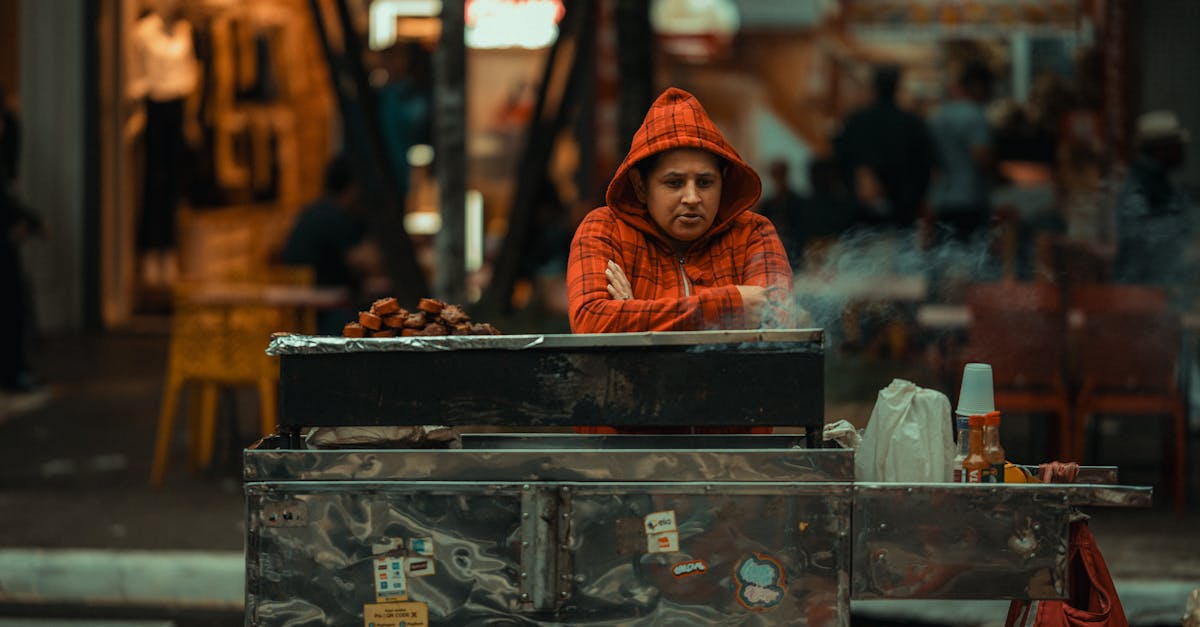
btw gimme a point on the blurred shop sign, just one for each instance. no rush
(489, 23)
(513, 23)
(963, 17)
(412, 19)
(695, 30)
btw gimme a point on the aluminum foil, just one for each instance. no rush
(287, 344)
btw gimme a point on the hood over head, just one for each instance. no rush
(677, 120)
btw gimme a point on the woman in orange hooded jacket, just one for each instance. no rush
(677, 247)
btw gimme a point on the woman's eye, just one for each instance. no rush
(704, 183)
(674, 183)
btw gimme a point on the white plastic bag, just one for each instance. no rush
(908, 437)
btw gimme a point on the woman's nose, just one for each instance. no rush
(690, 193)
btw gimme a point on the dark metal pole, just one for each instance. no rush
(531, 176)
(450, 150)
(635, 66)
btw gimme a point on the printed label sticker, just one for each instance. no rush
(688, 568)
(661, 522)
(396, 615)
(663, 542)
(391, 584)
(419, 566)
(761, 582)
(421, 546)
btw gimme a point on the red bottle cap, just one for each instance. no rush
(977, 421)
(992, 419)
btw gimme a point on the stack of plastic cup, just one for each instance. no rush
(976, 396)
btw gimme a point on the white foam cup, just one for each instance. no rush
(975, 397)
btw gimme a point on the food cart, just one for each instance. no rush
(537, 528)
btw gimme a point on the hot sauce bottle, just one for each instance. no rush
(992, 449)
(976, 465)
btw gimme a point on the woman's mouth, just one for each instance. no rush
(690, 219)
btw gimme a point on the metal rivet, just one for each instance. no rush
(565, 489)
(578, 578)
(525, 544)
(563, 594)
(882, 526)
(909, 490)
(566, 515)
(563, 547)
(524, 596)
(525, 515)
(524, 574)
(525, 487)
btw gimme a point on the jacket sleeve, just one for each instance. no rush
(767, 266)
(593, 310)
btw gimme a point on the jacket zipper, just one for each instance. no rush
(687, 287)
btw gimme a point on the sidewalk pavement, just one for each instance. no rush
(74, 471)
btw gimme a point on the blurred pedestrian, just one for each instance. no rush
(405, 108)
(824, 215)
(1154, 215)
(962, 141)
(329, 236)
(783, 209)
(17, 224)
(887, 156)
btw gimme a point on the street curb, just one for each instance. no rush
(194, 579)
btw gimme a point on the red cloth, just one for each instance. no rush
(741, 248)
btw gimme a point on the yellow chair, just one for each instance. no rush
(219, 335)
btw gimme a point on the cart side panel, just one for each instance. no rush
(746, 555)
(959, 542)
(316, 567)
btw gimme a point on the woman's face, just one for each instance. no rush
(682, 192)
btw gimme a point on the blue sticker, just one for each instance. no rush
(761, 582)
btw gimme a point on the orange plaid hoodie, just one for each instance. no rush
(671, 293)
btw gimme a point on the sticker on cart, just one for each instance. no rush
(661, 522)
(391, 584)
(689, 568)
(419, 566)
(410, 614)
(421, 546)
(761, 582)
(663, 542)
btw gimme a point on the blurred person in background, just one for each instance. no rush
(329, 236)
(886, 155)
(962, 140)
(783, 210)
(17, 224)
(1154, 214)
(405, 107)
(827, 212)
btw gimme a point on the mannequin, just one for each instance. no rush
(163, 74)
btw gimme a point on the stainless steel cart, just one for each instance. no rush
(612, 530)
